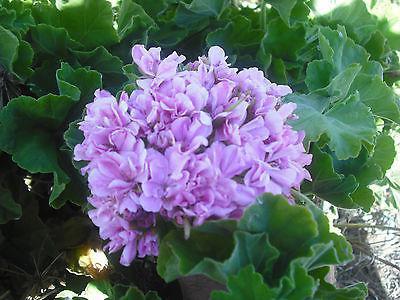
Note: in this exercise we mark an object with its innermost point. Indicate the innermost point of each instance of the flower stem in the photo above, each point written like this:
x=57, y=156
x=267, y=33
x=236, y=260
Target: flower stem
x=263, y=16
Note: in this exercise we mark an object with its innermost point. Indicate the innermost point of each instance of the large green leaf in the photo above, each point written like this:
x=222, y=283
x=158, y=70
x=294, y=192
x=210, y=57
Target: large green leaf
x=328, y=184
x=378, y=96
x=23, y=61
x=132, y=17
x=52, y=40
x=297, y=285
x=104, y=289
x=355, y=16
x=376, y=45
x=318, y=74
x=28, y=128
x=248, y=284
x=269, y=217
x=384, y=152
x=368, y=168
x=186, y=18
x=79, y=84
x=153, y=8
x=284, y=8
x=8, y=48
x=203, y=252
x=211, y=8
x=21, y=19
x=89, y=22
x=340, y=50
x=282, y=41
x=327, y=291
x=100, y=59
x=329, y=248
x=340, y=55
x=26, y=133
x=258, y=241
x=348, y=124
x=108, y=65
x=7, y=17
x=235, y=36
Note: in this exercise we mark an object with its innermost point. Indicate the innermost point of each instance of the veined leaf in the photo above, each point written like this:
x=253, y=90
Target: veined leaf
x=248, y=284
x=328, y=184
x=132, y=17
x=348, y=124
x=89, y=22
x=8, y=48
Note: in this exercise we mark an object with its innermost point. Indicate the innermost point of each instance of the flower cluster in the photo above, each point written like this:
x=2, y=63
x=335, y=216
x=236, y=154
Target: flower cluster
x=193, y=142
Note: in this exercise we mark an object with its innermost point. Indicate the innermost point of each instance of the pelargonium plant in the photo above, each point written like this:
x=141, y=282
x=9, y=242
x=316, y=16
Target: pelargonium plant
x=193, y=142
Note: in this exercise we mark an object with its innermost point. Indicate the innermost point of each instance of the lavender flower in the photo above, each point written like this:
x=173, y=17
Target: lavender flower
x=191, y=144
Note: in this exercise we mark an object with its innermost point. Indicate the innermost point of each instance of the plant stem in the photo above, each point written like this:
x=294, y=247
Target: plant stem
x=373, y=256
x=301, y=197
x=3, y=296
x=361, y=225
x=263, y=16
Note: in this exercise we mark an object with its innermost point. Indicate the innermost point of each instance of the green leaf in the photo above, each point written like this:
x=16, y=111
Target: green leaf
x=236, y=35
x=210, y=8
x=108, y=65
x=79, y=84
x=89, y=22
x=8, y=48
x=376, y=45
x=99, y=59
x=7, y=18
x=384, y=152
x=200, y=254
x=271, y=215
x=329, y=248
x=278, y=70
x=339, y=87
x=22, y=20
x=46, y=12
x=52, y=41
x=318, y=74
x=132, y=17
x=132, y=293
x=348, y=124
x=248, y=284
x=9, y=209
x=284, y=8
x=327, y=291
x=43, y=80
x=297, y=285
x=26, y=133
x=254, y=249
x=101, y=288
x=328, y=184
x=340, y=50
x=153, y=8
x=186, y=18
x=23, y=61
x=378, y=96
x=73, y=136
x=364, y=197
x=168, y=35
x=282, y=41
x=368, y=169
x=355, y=17
x=28, y=127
